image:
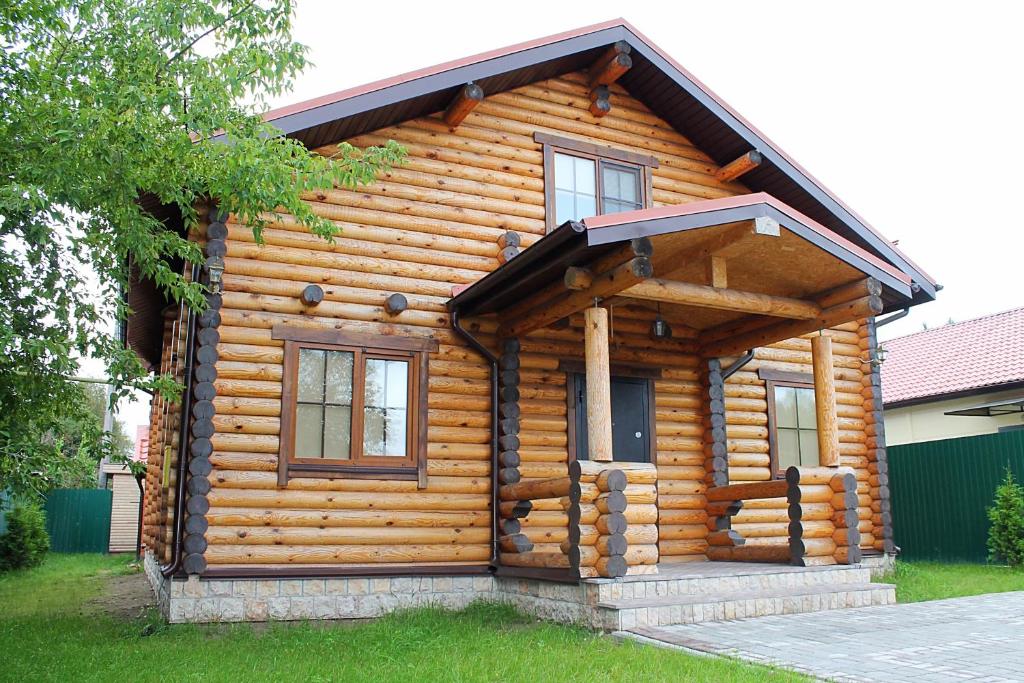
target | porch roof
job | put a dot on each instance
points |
(578, 243)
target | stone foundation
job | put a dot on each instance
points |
(701, 592)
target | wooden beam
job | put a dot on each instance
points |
(828, 299)
(759, 489)
(599, 390)
(734, 169)
(717, 273)
(686, 293)
(607, 284)
(864, 307)
(611, 65)
(825, 401)
(577, 278)
(465, 100)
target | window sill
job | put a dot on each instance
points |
(409, 472)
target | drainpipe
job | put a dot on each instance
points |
(486, 353)
(186, 416)
(892, 318)
(737, 364)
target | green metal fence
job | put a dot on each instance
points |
(941, 489)
(78, 520)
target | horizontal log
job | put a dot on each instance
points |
(545, 560)
(750, 553)
(227, 535)
(766, 489)
(345, 554)
(255, 517)
(685, 293)
(533, 490)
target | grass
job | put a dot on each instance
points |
(49, 631)
(918, 581)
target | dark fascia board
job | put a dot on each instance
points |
(966, 393)
(449, 78)
(722, 216)
(460, 72)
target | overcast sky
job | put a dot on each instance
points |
(907, 111)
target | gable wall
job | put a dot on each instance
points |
(424, 227)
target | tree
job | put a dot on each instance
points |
(107, 101)
(1006, 533)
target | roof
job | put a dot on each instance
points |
(955, 359)
(655, 78)
(576, 243)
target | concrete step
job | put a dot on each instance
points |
(694, 608)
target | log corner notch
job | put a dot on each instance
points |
(737, 167)
(464, 102)
(608, 68)
(837, 489)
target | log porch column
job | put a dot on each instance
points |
(599, 391)
(825, 401)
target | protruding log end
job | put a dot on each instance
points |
(194, 564)
(467, 98)
(395, 304)
(312, 295)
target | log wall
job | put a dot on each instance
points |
(442, 219)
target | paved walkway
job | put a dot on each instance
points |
(979, 638)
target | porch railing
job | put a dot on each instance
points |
(823, 519)
(612, 521)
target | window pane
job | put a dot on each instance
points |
(615, 206)
(621, 183)
(565, 207)
(788, 446)
(387, 398)
(311, 376)
(585, 176)
(805, 409)
(308, 430)
(396, 425)
(339, 377)
(809, 448)
(585, 206)
(785, 407)
(564, 175)
(337, 432)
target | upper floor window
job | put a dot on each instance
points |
(588, 187)
(352, 403)
(583, 179)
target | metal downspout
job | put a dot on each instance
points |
(183, 434)
(486, 353)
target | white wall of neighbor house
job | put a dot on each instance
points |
(928, 421)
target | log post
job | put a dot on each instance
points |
(825, 401)
(599, 392)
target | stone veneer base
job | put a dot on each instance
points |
(591, 603)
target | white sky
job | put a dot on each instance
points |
(909, 112)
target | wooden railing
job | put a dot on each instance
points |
(823, 521)
(612, 520)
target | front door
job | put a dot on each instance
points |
(631, 418)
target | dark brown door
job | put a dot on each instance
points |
(631, 418)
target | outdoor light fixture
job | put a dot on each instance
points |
(215, 268)
(659, 328)
(878, 357)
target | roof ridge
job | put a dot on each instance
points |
(956, 323)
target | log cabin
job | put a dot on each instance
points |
(595, 340)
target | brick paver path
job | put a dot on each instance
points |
(978, 638)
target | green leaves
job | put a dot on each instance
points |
(1006, 533)
(107, 102)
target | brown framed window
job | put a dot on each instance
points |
(792, 424)
(352, 405)
(582, 179)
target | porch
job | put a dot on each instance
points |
(693, 290)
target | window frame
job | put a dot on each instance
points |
(599, 154)
(773, 379)
(364, 347)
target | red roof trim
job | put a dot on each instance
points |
(710, 205)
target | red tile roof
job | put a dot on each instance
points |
(955, 358)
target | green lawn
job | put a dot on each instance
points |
(50, 630)
(918, 581)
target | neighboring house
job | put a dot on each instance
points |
(124, 506)
(961, 379)
(596, 329)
